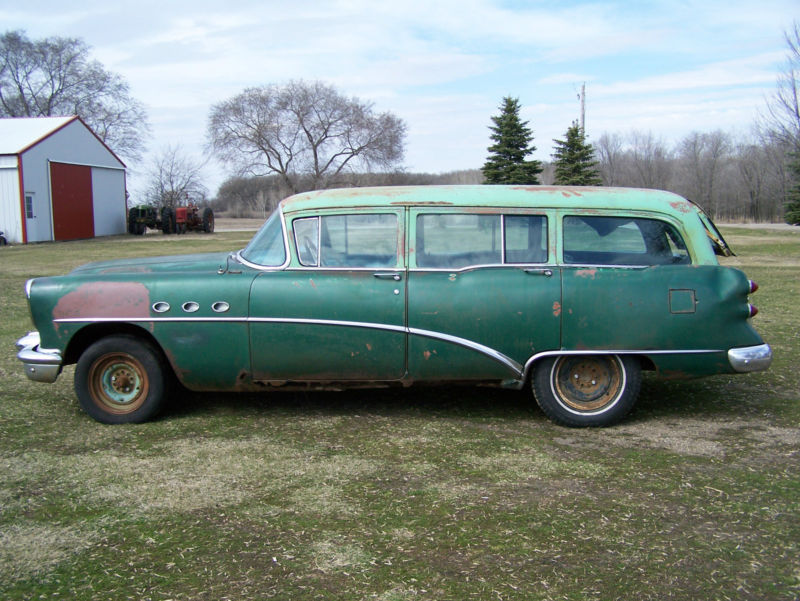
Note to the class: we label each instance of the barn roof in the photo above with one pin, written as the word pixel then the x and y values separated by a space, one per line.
pixel 19 133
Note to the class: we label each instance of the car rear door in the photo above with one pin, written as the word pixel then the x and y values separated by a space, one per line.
pixel 484 293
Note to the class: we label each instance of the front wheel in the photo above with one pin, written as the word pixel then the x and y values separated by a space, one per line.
pixel 587 390
pixel 121 379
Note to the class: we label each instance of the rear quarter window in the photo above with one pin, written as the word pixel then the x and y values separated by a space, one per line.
pixel 596 240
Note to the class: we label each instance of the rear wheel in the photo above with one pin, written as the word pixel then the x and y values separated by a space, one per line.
pixel 587 390
pixel 132 221
pixel 208 220
pixel 121 379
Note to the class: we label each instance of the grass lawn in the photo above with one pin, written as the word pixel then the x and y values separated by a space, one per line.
pixel 437 493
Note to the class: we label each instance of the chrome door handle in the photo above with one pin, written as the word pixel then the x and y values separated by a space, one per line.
pixel 387 276
pixel 540 271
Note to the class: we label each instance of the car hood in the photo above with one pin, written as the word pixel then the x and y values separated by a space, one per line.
pixel 177 263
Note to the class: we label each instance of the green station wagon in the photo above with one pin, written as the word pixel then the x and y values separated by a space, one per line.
pixel 572 291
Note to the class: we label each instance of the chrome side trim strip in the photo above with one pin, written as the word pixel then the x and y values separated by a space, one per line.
pixel 482 266
pixel 494 354
pixel 330 322
pixel 556 353
pixel 475 346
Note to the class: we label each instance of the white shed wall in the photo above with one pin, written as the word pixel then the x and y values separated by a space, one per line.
pixel 10 217
pixel 75 144
pixel 108 196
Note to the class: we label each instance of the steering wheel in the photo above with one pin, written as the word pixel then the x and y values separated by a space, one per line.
pixel 308 247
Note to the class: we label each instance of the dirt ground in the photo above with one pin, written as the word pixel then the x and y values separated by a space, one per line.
pixel 764 226
pixel 228 224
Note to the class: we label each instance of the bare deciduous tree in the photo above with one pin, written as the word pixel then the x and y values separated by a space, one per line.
pixel 610 158
pixel 702 158
pixel 649 161
pixel 174 178
pixel 303 129
pixel 758 181
pixel 782 119
pixel 55 77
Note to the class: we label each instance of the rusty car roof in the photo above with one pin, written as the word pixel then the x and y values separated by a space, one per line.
pixel 491 196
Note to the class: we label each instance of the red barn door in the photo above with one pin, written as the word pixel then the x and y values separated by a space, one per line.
pixel 73 212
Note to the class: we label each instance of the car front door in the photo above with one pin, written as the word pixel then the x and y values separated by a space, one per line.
pixel 337 313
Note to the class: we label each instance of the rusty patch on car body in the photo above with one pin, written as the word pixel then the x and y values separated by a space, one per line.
pixel 104 299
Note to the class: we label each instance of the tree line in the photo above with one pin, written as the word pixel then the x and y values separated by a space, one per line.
pixel 734 179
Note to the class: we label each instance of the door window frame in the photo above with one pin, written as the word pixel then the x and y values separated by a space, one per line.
pixel 502 212
pixel 400 239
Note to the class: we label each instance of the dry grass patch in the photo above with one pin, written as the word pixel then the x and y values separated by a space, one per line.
pixel 190 474
pixel 696 437
pixel 336 555
pixel 519 465
pixel 28 549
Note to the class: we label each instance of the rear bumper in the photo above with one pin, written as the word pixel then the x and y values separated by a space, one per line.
pixel 750 358
pixel 41 365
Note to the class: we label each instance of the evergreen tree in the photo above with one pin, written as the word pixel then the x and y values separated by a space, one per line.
pixel 793 195
pixel 512 138
pixel 574 160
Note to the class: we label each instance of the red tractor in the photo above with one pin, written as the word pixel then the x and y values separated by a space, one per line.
pixel 189 218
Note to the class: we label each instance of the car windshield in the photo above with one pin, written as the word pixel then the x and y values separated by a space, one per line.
pixel 267 248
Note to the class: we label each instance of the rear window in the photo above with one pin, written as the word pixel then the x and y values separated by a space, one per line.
pixel 593 240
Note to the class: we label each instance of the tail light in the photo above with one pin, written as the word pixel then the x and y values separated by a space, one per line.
pixel 752 310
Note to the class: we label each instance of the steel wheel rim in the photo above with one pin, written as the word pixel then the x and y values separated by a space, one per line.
pixel 118 383
pixel 588 384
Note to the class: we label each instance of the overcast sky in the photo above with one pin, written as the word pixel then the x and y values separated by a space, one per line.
pixel 670 67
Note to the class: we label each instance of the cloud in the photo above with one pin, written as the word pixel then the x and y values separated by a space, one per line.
pixel 442 66
pixel 750 70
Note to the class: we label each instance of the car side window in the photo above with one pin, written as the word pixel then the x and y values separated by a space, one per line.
pixel 457 240
pixel 525 238
pixel 362 240
pixel 595 240
pixel 306 238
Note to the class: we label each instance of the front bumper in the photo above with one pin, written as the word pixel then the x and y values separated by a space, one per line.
pixel 41 365
pixel 750 358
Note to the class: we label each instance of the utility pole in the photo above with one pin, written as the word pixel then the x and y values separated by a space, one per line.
pixel 582 97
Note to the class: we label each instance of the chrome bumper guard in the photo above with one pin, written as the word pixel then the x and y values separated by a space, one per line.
pixel 750 358
pixel 41 365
